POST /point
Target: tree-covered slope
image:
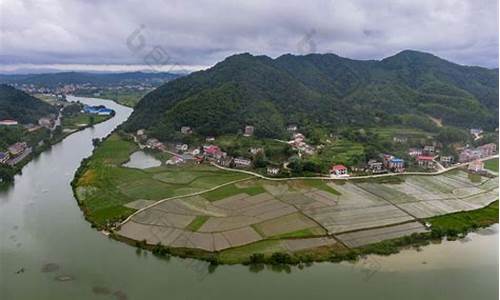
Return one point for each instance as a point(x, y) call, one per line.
point(322, 89)
point(19, 106)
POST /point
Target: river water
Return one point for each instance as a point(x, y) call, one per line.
point(48, 251)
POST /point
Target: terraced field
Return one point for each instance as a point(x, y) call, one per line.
point(301, 215)
point(234, 214)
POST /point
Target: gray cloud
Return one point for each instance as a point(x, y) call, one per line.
point(200, 33)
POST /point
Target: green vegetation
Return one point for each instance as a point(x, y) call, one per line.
point(102, 185)
point(231, 190)
point(460, 223)
point(19, 106)
point(197, 223)
point(491, 164)
point(323, 91)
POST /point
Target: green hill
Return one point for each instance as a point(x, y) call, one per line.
point(19, 106)
point(320, 90)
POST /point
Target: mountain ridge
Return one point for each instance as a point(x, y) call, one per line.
point(322, 89)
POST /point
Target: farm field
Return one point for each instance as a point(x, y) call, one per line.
point(242, 217)
point(105, 186)
point(236, 215)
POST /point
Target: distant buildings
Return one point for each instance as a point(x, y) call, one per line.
point(446, 159)
point(393, 164)
point(414, 152)
point(242, 163)
point(186, 130)
point(97, 110)
point(8, 122)
point(249, 130)
point(477, 153)
point(476, 166)
point(273, 171)
point(46, 122)
point(400, 139)
point(429, 150)
point(376, 167)
point(425, 161)
point(4, 157)
point(155, 144)
point(292, 128)
point(476, 131)
point(17, 148)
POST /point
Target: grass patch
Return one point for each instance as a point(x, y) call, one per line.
point(231, 190)
point(197, 223)
point(110, 185)
point(239, 254)
point(302, 233)
point(463, 222)
point(491, 164)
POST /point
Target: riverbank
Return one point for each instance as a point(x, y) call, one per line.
point(139, 205)
point(55, 138)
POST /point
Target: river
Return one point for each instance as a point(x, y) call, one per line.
point(41, 223)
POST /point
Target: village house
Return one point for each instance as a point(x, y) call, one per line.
point(272, 170)
point(210, 139)
point(249, 130)
point(186, 130)
point(298, 137)
point(213, 152)
point(476, 131)
point(488, 149)
point(376, 167)
point(155, 144)
point(140, 132)
point(429, 150)
point(394, 164)
point(17, 148)
point(241, 162)
point(4, 157)
point(477, 153)
point(338, 170)
point(476, 166)
point(414, 152)
point(446, 159)
point(292, 128)
point(181, 147)
point(400, 139)
point(8, 122)
point(255, 150)
point(174, 160)
point(46, 122)
point(425, 161)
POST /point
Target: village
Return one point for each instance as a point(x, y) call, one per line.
point(46, 129)
point(427, 158)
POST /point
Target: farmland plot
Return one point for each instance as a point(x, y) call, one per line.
point(366, 237)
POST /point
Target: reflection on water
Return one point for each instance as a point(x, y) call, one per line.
point(142, 160)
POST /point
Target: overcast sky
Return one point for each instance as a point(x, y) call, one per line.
point(173, 35)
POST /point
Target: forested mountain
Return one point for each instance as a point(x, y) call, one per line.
point(19, 106)
point(101, 79)
point(323, 90)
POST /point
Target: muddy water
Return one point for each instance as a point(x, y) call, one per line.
point(142, 160)
point(48, 251)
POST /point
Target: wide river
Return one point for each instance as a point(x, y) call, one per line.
point(48, 251)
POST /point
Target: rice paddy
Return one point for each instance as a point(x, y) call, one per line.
point(234, 214)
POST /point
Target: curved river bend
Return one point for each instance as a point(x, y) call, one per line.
point(48, 251)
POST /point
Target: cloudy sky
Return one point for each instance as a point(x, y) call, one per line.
point(189, 35)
